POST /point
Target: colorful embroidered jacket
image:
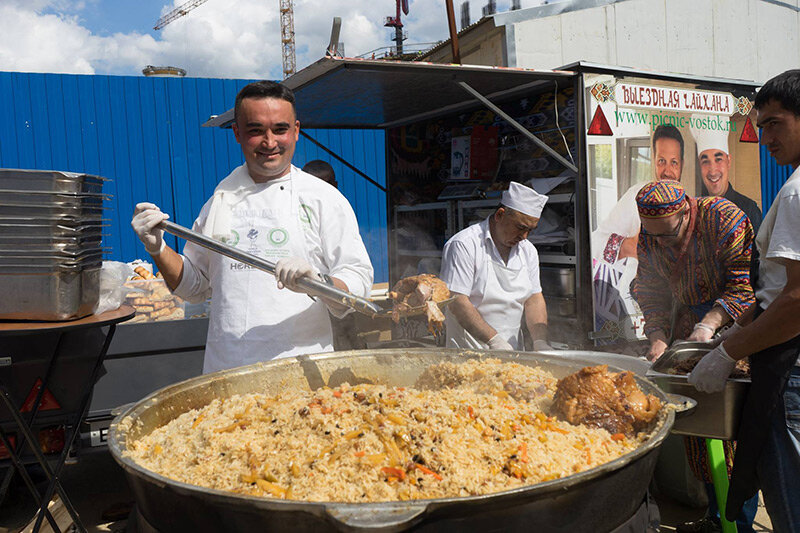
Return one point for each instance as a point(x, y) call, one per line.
point(715, 268)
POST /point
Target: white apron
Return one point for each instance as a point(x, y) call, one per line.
point(501, 304)
point(251, 319)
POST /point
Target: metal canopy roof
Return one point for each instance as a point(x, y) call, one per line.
point(357, 93)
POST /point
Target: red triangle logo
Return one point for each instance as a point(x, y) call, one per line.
point(48, 402)
point(749, 134)
point(599, 125)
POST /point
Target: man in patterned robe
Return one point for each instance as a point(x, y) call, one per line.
point(693, 278)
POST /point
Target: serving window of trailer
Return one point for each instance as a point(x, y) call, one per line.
point(448, 172)
point(623, 114)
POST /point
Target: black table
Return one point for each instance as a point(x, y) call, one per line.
point(48, 370)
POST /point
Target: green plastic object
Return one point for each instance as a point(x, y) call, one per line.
point(719, 475)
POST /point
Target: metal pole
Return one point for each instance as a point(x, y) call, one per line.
point(519, 127)
point(342, 160)
point(451, 23)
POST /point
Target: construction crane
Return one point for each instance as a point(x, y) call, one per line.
point(396, 23)
point(178, 12)
point(287, 29)
point(287, 37)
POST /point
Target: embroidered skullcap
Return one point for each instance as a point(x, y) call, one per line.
point(659, 199)
point(705, 137)
point(523, 199)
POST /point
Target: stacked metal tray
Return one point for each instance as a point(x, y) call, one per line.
point(51, 233)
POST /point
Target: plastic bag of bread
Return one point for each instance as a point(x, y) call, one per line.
point(152, 299)
point(112, 290)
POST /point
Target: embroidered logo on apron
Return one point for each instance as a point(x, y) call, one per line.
point(278, 237)
point(232, 239)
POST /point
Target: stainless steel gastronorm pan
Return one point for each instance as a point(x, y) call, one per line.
point(22, 239)
point(557, 281)
point(20, 263)
point(716, 415)
point(50, 180)
point(56, 209)
point(12, 196)
point(69, 221)
point(50, 247)
point(51, 231)
point(49, 296)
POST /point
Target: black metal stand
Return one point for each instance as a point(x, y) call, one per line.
point(26, 427)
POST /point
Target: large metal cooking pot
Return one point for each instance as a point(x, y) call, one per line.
point(595, 500)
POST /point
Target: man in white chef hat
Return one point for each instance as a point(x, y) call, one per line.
point(714, 160)
point(493, 270)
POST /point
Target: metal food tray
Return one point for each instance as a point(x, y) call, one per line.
point(14, 264)
point(48, 199)
point(49, 296)
point(62, 251)
point(57, 209)
point(51, 221)
point(557, 281)
point(68, 245)
point(23, 239)
point(50, 269)
point(717, 415)
point(50, 180)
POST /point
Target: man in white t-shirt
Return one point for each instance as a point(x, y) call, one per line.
point(271, 209)
point(768, 450)
point(493, 270)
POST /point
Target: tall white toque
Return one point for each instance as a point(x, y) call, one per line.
point(522, 198)
point(707, 138)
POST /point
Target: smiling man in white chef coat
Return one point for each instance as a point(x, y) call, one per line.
point(271, 209)
point(493, 270)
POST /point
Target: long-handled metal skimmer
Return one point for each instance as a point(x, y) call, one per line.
point(312, 286)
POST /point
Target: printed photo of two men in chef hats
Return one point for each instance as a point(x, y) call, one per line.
point(710, 155)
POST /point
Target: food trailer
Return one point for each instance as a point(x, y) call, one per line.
point(456, 135)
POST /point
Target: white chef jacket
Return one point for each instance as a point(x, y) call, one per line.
point(464, 265)
point(250, 320)
point(778, 240)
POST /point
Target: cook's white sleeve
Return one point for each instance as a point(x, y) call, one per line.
point(195, 285)
point(343, 250)
point(458, 267)
point(785, 241)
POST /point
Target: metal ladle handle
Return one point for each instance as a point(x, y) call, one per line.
point(311, 286)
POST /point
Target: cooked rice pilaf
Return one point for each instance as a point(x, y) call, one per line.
point(464, 429)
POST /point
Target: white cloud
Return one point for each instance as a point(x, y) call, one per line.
point(230, 38)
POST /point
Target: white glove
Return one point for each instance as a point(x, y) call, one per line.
point(701, 333)
point(146, 218)
point(499, 343)
point(725, 333)
point(711, 373)
point(290, 269)
point(541, 345)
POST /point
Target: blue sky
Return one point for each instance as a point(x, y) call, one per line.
point(220, 38)
point(106, 17)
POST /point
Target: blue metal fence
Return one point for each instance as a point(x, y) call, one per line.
point(145, 134)
point(773, 176)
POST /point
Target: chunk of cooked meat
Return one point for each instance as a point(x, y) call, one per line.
point(599, 398)
point(424, 290)
point(740, 371)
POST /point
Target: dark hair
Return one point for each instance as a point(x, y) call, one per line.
point(321, 169)
point(667, 131)
point(263, 89)
point(785, 88)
